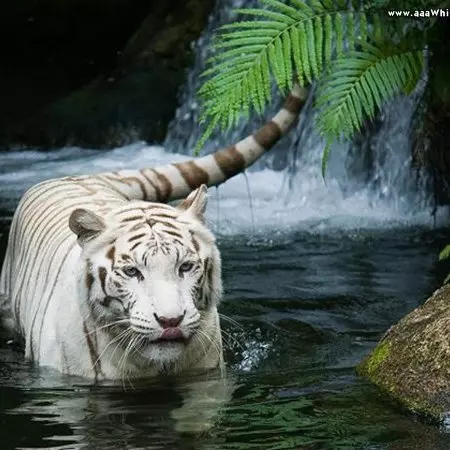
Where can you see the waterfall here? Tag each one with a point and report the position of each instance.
(369, 182)
(373, 173)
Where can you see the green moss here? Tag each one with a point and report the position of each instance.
(380, 353)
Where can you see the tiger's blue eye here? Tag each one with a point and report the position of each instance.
(186, 267)
(131, 271)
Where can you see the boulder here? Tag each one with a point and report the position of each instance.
(411, 363)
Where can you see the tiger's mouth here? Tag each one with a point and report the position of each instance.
(173, 335)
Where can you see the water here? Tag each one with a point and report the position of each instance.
(314, 283)
(315, 272)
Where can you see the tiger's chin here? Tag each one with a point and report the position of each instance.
(162, 351)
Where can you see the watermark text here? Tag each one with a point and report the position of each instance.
(438, 12)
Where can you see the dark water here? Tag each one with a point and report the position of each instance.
(310, 307)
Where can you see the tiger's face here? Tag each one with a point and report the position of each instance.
(152, 273)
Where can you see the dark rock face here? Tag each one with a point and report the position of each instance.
(432, 148)
(93, 73)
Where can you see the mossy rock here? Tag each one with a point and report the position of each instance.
(412, 361)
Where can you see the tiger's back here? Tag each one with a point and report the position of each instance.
(41, 248)
(64, 227)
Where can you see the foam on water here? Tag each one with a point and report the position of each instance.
(258, 201)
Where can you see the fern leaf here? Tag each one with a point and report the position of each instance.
(256, 81)
(250, 25)
(339, 30)
(356, 83)
(265, 73)
(377, 29)
(416, 62)
(398, 76)
(375, 89)
(445, 253)
(300, 5)
(249, 49)
(382, 80)
(311, 48)
(271, 15)
(304, 52)
(369, 98)
(357, 104)
(206, 134)
(284, 9)
(232, 111)
(276, 71)
(287, 58)
(296, 54)
(222, 80)
(317, 6)
(351, 111)
(328, 29)
(326, 157)
(318, 38)
(245, 97)
(363, 28)
(260, 41)
(237, 62)
(350, 35)
(252, 33)
(285, 36)
(254, 94)
(280, 63)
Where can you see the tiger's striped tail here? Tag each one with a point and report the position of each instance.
(175, 181)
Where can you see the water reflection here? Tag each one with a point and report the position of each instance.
(308, 306)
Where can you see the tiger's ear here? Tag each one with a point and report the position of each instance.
(86, 225)
(195, 203)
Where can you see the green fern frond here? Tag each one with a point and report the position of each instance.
(326, 157)
(318, 38)
(292, 39)
(445, 253)
(351, 36)
(363, 32)
(250, 25)
(339, 30)
(328, 39)
(359, 83)
(304, 56)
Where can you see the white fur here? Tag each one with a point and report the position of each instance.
(55, 312)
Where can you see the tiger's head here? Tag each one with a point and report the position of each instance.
(152, 274)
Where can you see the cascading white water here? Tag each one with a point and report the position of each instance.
(366, 185)
(372, 178)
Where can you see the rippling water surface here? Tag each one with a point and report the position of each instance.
(313, 284)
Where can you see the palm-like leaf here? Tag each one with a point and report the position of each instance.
(295, 37)
(357, 85)
(373, 75)
(340, 43)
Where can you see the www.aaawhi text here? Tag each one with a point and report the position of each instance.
(419, 13)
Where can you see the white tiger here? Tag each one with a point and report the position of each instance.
(104, 283)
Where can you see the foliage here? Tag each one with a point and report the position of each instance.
(357, 56)
(443, 255)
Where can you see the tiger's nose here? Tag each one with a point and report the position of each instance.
(169, 322)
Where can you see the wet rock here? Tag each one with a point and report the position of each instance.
(412, 361)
